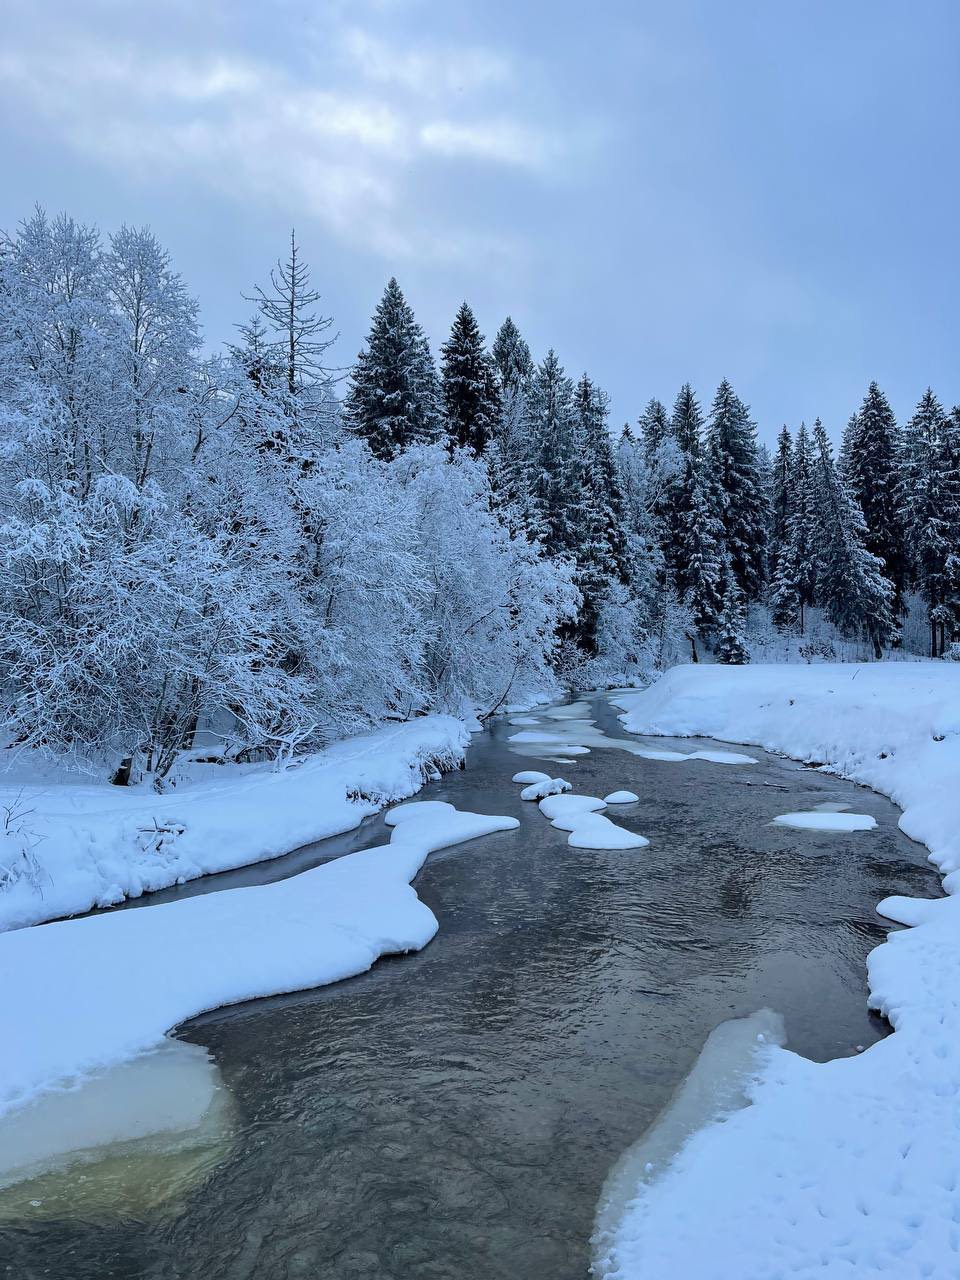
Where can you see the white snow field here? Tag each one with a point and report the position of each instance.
(827, 821)
(83, 996)
(96, 844)
(848, 1168)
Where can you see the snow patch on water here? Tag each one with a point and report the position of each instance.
(595, 831)
(827, 820)
(621, 797)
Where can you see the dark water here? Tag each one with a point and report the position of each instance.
(454, 1113)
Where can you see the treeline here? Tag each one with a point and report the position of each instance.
(254, 551)
(802, 531)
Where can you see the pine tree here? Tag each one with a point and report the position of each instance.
(602, 551)
(781, 491)
(655, 428)
(393, 399)
(731, 645)
(512, 357)
(686, 431)
(858, 599)
(558, 487)
(869, 463)
(732, 468)
(928, 508)
(705, 561)
(471, 398)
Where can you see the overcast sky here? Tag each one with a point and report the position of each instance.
(662, 191)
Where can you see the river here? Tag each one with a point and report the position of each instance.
(454, 1113)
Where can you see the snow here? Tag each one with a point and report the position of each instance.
(621, 797)
(528, 776)
(827, 821)
(560, 809)
(519, 720)
(100, 991)
(595, 831)
(416, 809)
(540, 790)
(845, 1168)
(97, 844)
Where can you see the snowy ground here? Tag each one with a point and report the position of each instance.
(83, 997)
(849, 1168)
(71, 845)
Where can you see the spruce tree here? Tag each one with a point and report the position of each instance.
(393, 398)
(602, 552)
(704, 566)
(869, 463)
(686, 431)
(858, 599)
(731, 644)
(511, 355)
(471, 400)
(928, 508)
(781, 491)
(558, 485)
(732, 468)
(655, 428)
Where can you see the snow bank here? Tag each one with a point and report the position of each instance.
(81, 996)
(95, 845)
(846, 1168)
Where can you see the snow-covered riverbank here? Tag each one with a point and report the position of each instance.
(71, 845)
(848, 1168)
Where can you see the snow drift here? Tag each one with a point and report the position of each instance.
(94, 845)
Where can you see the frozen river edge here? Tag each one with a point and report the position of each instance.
(851, 1166)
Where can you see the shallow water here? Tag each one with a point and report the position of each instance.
(455, 1113)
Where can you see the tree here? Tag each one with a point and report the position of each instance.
(869, 463)
(850, 583)
(686, 429)
(793, 524)
(705, 565)
(732, 469)
(655, 428)
(929, 491)
(558, 485)
(393, 398)
(471, 399)
(731, 645)
(288, 310)
(512, 357)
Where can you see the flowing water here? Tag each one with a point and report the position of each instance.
(455, 1113)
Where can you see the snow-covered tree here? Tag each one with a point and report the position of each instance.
(471, 400)
(512, 357)
(732, 468)
(929, 489)
(870, 463)
(393, 399)
(851, 586)
(731, 644)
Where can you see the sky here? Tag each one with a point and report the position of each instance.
(663, 192)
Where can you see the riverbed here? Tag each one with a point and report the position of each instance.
(454, 1113)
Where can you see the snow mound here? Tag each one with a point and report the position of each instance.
(100, 990)
(521, 720)
(563, 808)
(827, 821)
(416, 809)
(595, 831)
(540, 790)
(621, 797)
(531, 775)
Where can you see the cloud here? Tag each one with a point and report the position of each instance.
(355, 139)
(431, 73)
